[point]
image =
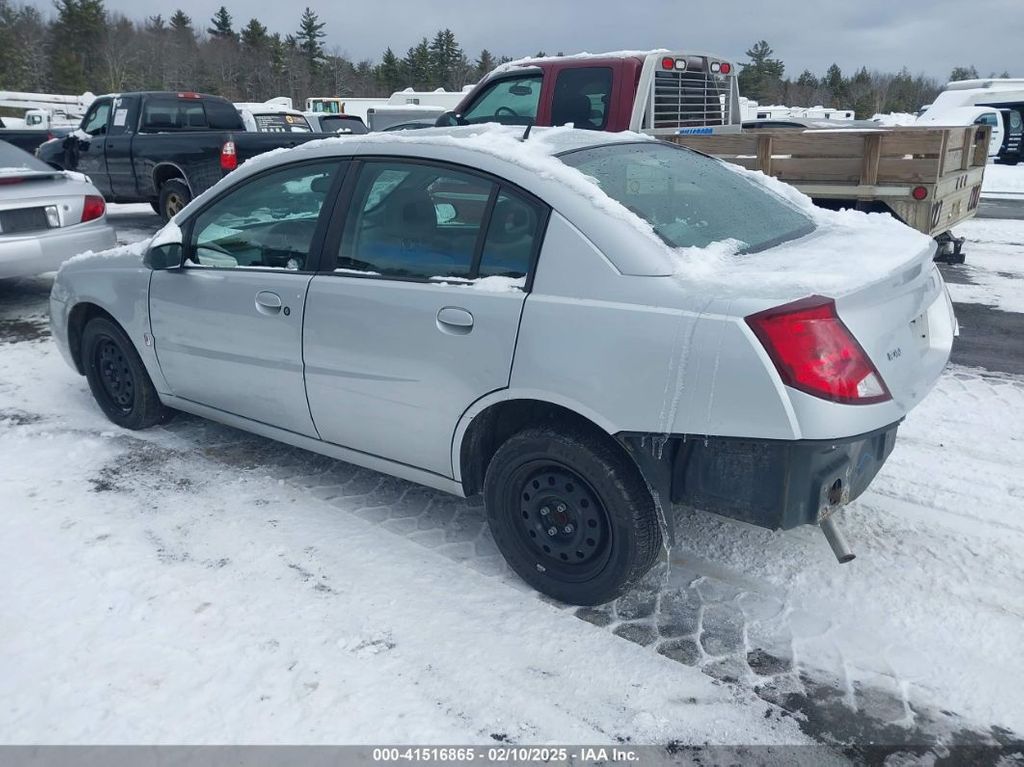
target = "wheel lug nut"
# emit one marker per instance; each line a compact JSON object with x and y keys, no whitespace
{"x":544,"y":511}
{"x":552,"y":530}
{"x":568,"y":529}
{"x":560,"y":508}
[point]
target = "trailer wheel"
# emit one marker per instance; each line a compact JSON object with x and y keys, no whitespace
{"x":174,"y":196}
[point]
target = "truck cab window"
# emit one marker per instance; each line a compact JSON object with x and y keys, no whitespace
{"x":95,"y":122}
{"x":581,"y":97}
{"x":510,"y":101}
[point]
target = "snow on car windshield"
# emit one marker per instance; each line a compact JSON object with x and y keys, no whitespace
{"x":690,"y":200}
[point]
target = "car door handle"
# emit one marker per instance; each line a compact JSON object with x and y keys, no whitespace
{"x":268,"y":302}
{"x":454,"y":321}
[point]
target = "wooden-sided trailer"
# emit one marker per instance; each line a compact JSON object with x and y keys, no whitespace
{"x":929,"y":178}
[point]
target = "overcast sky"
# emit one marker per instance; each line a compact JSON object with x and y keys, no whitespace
{"x":930,"y":36}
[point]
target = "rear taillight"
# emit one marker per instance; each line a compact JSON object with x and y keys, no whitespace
{"x":919,"y":192}
{"x":815,"y":352}
{"x":228,"y":156}
{"x":93,"y":208}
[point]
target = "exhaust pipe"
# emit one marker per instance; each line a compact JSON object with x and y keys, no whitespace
{"x":836,"y":540}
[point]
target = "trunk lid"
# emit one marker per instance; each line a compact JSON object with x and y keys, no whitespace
{"x":905,"y":324}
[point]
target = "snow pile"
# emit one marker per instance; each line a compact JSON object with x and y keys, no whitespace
{"x":895,"y":119}
{"x":1003,"y":181}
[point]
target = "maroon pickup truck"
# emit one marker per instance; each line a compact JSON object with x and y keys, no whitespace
{"x":657,"y":92}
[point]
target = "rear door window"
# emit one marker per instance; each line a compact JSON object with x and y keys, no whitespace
{"x":511,"y":100}
{"x":413,"y":221}
{"x":581,"y":97}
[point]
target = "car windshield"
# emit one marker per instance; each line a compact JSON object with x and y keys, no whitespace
{"x":11,"y":157}
{"x":690,"y":200}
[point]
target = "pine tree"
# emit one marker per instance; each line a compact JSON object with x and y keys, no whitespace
{"x":963,"y":73}
{"x":485,"y":63}
{"x":221,"y":28}
{"x":254,"y":35}
{"x":181,"y":28}
{"x":417,"y":66}
{"x":389,"y":73}
{"x":835,"y":84}
{"x":308,"y":38}
{"x":761,"y":77}
{"x":445,"y":57}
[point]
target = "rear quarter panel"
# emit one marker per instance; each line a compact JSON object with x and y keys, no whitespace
{"x":640,"y":353}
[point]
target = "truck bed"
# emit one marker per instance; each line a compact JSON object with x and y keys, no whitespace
{"x":930,"y":178}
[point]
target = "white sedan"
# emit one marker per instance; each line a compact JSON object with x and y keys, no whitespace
{"x":46,"y":215}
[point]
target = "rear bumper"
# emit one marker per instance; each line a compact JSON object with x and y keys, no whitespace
{"x":778,"y":484}
{"x":28,"y":254}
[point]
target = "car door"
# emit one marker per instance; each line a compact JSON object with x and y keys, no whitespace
{"x":227,"y":325}
{"x":414,"y":315}
{"x":118,"y":146}
{"x":87,"y":145}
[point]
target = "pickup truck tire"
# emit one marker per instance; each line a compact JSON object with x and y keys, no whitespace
{"x":155,"y":206}
{"x":118,"y":379}
{"x":571,"y":514}
{"x":174,"y":195}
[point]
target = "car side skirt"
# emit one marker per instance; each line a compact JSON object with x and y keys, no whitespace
{"x":777,"y":484}
{"x":365,"y":460}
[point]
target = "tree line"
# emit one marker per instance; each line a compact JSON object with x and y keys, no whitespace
{"x":868,"y":92}
{"x":84,"y":47}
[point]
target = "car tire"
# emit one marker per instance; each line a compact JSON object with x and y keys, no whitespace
{"x":571,"y":514}
{"x":174,"y":195}
{"x":118,"y":379}
{"x":155,"y":206}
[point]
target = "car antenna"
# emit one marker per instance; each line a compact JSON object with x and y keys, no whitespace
{"x":526,"y":133}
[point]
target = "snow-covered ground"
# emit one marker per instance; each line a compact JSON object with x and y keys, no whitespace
{"x":1003,"y":182}
{"x":195,"y":584}
{"x":994,"y":265}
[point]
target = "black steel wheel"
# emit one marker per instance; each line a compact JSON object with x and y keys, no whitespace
{"x":571,"y":514}
{"x":117,"y":378}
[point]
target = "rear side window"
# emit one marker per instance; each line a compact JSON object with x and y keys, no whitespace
{"x":512,"y":101}
{"x":513,"y":236}
{"x":221,"y":115}
{"x":581,"y":97}
{"x":411,"y":221}
{"x":690,"y":200}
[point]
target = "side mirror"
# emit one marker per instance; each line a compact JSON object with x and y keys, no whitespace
{"x":448,"y":119}
{"x":164,"y":257}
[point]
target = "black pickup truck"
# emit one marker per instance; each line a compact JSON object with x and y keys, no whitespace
{"x":29,"y":139}
{"x":161,"y":148}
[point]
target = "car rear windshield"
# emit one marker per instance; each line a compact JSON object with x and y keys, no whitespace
{"x":13,"y":158}
{"x":690,"y":200}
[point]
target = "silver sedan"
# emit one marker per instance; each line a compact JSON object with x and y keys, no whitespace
{"x":46,"y":216}
{"x":584,"y":328}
